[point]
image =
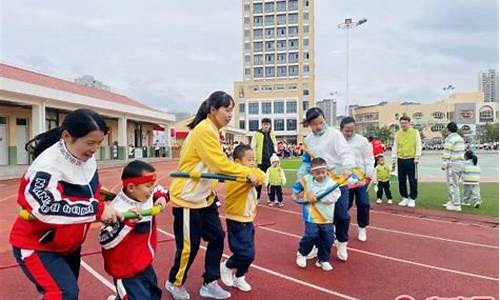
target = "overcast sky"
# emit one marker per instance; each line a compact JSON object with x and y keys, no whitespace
{"x":172,"y":54}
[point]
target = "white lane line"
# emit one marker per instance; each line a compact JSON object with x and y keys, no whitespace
{"x":8,"y":197}
{"x":97,"y":275}
{"x":286,"y":277}
{"x":403,"y":232}
{"x":393,"y":258}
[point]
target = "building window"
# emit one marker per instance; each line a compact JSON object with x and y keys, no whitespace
{"x":305,"y":92}
{"x":437,"y":127}
{"x":242,"y":107}
{"x":292,"y":87}
{"x":281,"y":45}
{"x":291,"y":107}
{"x":257,"y":34}
{"x":279,"y":125}
{"x":269,"y":58}
{"x":486,"y":114}
{"x":306,"y":44}
{"x":51,"y":119}
{"x":247,"y":73}
{"x":257,"y":59}
{"x":270,"y":72}
{"x":279,"y":87}
{"x":253,"y":125}
{"x":293,"y":44}
{"x":293,"y":58}
{"x":269,"y":20}
{"x":246,"y":21}
{"x":281,"y":32}
{"x":257,"y":21}
{"x":279,"y":107}
{"x":306,"y":17}
{"x":269,"y":7}
{"x":270,"y":46}
{"x":282,"y":71}
{"x":305,"y":105}
{"x":438,"y":115}
{"x":258,"y":72}
{"x":291,"y":124}
{"x":257,"y":46}
{"x":293,"y":19}
{"x":242,"y":124}
{"x":293,"y":31}
{"x":293,"y":70}
{"x":293,"y":5}
{"x":266,"y":108}
{"x":253,"y":108}
{"x":269,"y":33}
{"x":418,"y":115}
{"x":306,"y":69}
{"x":281,"y":19}
{"x":281,"y":6}
{"x":257,"y":8}
{"x":306,"y":29}
{"x":306,"y":56}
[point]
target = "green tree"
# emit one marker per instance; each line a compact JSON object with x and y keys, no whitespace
{"x":488,"y":133}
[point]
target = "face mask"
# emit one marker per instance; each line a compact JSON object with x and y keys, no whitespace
{"x":321,"y":131}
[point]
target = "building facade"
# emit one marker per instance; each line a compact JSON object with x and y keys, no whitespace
{"x":488,"y":85}
{"x":468,"y":110}
{"x":278,"y":66}
{"x":329,"y":108}
{"x":32,"y":103}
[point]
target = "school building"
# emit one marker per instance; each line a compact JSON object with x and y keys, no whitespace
{"x":32,"y":103}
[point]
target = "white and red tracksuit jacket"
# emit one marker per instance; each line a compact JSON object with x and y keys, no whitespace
{"x":129,"y":248}
{"x":62,"y":193}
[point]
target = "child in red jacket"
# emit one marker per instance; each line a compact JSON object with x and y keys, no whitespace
{"x":129,"y":247}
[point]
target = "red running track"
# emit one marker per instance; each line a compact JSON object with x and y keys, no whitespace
{"x":403,"y":255}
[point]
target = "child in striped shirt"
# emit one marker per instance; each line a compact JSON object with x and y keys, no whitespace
{"x":471,"y":178}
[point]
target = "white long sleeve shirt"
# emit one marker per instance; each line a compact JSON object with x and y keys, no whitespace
{"x":363,"y":153}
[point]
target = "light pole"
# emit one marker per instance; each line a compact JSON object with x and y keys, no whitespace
{"x":448,"y":90}
{"x":347,"y":25}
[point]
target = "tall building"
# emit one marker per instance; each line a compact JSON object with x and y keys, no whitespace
{"x":488,"y":84}
{"x":329,"y":107}
{"x":278,"y":66}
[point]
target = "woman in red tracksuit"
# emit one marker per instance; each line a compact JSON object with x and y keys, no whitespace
{"x":61,"y":191}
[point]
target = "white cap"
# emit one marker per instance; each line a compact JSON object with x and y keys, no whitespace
{"x":274,"y":158}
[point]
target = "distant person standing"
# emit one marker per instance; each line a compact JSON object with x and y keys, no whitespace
{"x":453,"y":158}
{"x":407,"y":149}
{"x":157,"y":148}
{"x":378,"y":148}
{"x":264,"y":145}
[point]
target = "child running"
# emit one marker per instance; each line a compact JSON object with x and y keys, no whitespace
{"x":317,"y":215}
{"x":275,"y":181}
{"x":129,"y":247}
{"x":240,"y":206}
{"x":471,"y":178}
{"x":382,"y":180}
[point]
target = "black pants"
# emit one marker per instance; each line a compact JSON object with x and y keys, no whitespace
{"x":141,"y":286}
{"x":384,"y":187}
{"x":264,"y":166}
{"x":241,"y":237}
{"x":406,"y":171}
{"x":276,"y":190}
{"x":190,"y":226}
{"x":360,"y":194}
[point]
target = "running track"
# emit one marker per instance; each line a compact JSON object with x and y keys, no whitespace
{"x":421,"y":257}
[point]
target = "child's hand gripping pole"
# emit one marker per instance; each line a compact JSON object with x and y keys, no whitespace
{"x":222,"y":177}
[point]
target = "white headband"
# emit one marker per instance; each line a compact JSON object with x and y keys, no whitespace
{"x":318,"y":167}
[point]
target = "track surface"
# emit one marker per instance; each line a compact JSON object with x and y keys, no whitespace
{"x":404,"y":254}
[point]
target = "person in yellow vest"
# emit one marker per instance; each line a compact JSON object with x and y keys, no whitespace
{"x":452,"y":163}
{"x":275,"y":181}
{"x":382,"y":180}
{"x":241,"y":206}
{"x":264,"y":144}
{"x":407,"y":149}
{"x":194,"y":201}
{"x":471,"y":178}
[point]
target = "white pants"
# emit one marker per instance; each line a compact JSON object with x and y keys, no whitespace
{"x":472,"y":194}
{"x":453,"y":178}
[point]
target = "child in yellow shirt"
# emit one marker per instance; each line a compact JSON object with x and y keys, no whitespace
{"x":275,"y":181}
{"x":240,"y":207}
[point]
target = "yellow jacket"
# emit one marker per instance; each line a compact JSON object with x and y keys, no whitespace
{"x":202,"y":152}
{"x":241,"y":198}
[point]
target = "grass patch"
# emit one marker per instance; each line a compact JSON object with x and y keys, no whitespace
{"x":430,"y":195}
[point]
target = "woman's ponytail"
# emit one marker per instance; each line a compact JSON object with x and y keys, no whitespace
{"x":216,"y":100}
{"x":43,"y":141}
{"x":201,"y":115}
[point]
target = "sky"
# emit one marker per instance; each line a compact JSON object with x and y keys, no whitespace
{"x":172,"y":54}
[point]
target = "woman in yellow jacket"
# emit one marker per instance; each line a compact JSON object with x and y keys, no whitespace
{"x":195,"y":202}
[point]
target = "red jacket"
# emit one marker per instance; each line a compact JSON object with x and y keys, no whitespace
{"x":378,"y":149}
{"x":62,"y":193}
{"x":129,"y":248}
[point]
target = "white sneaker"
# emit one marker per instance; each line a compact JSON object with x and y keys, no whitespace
{"x":411,"y":203}
{"x":378,"y":201}
{"x":404,"y":202}
{"x":313,"y":253}
{"x":112,"y":297}
{"x":463,"y":204}
{"x":226,"y":274}
{"x":447,"y":203}
{"x":301,"y":260}
{"x":389,"y":201}
{"x":454,"y":207}
{"x":326,"y":266}
{"x":213,"y":290}
{"x":178,"y":293}
{"x":241,"y":284}
{"x":362,"y":234}
{"x":341,"y":250}
{"x":477,"y":204}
